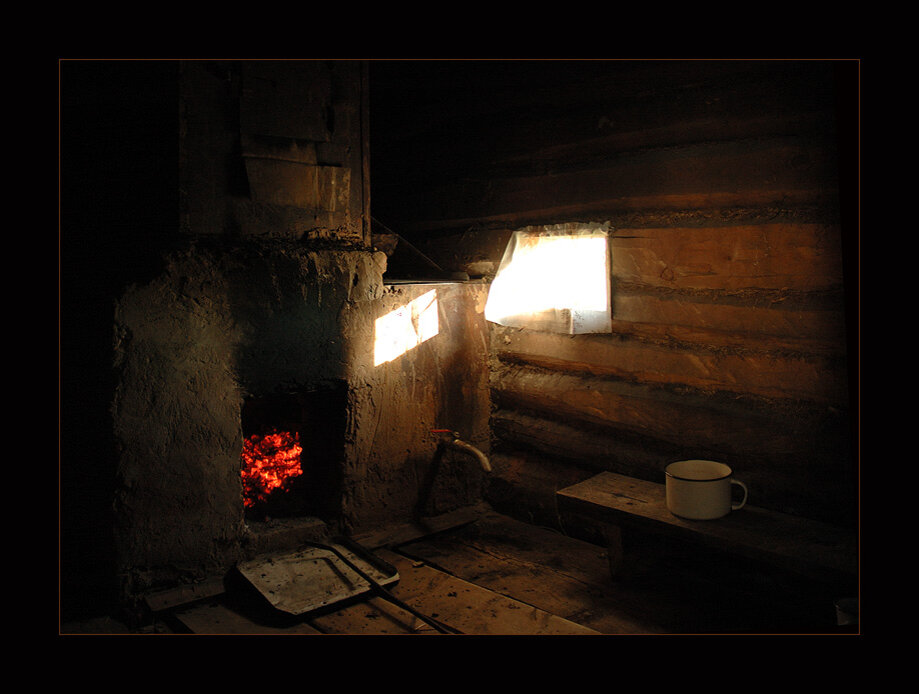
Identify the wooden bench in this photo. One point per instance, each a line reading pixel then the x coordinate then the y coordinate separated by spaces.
pixel 817 550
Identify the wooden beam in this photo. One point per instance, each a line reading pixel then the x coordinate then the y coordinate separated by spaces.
pixel 786 256
pixel 759 321
pixel 761 368
pixel 678 419
pixel 692 177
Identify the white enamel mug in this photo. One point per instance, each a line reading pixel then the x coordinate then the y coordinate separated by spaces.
pixel 701 489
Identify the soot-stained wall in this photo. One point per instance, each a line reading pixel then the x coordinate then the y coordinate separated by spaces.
pixel 441 383
pixel 217 327
pixel 216 246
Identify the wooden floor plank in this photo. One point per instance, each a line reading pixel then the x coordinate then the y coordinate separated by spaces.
pixel 469 608
pixel 216 618
pixel 372 617
pixel 500 576
pixel 667 589
pixel 558 574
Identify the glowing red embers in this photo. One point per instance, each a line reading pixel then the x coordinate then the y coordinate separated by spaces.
pixel 269 463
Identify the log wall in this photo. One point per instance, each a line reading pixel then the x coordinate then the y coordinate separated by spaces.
pixel 730 189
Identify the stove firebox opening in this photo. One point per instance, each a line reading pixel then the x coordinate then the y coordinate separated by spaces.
pixel 270 461
pixel 292 451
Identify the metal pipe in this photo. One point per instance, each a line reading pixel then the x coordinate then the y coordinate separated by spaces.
pixel 471 450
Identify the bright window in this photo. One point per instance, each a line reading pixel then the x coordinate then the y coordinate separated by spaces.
pixel 554 279
pixel 405 328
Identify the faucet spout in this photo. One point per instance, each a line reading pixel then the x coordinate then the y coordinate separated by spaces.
pixel 459 445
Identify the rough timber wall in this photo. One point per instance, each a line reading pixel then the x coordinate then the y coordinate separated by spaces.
pixel 728 188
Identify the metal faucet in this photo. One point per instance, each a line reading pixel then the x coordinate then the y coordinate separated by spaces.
pixel 454 442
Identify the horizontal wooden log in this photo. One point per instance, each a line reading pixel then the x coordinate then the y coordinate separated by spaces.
pixel 819 483
pixel 588 448
pixel 478 252
pixel 691 423
pixel 524 485
pixel 565 143
pixel 767 368
pixel 690 338
pixel 601 110
pixel 559 142
pixel 747 174
pixel 765 204
pixel 702 313
pixel 802 257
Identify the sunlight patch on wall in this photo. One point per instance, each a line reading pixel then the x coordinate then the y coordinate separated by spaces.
pixel 405 328
pixel 555 279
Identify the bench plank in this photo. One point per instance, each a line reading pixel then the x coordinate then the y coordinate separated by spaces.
pixel 793 543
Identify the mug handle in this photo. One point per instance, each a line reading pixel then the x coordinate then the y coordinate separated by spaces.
pixel 739 505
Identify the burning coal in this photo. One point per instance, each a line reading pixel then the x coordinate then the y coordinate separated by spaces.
pixel 269 463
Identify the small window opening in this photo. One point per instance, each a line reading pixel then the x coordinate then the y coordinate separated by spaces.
pixel 405 328
pixel 555 279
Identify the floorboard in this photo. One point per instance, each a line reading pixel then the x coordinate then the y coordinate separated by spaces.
pixel 470 608
pixel 499 576
pixel 547 570
pixel 667 588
